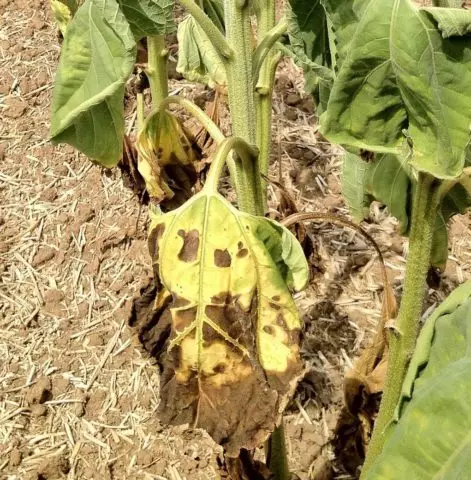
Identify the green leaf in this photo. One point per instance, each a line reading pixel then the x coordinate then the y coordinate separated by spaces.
pixel 388 181
pixel 231 356
pixel 63 11
pixel 451 21
pixel 400 73
pixel 384 179
pixel 431 437
pixel 148 17
pixel 215 11
pixel 309 47
pixel 96 60
pixel 198 60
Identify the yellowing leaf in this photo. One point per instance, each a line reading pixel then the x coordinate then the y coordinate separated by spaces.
pixel 163 143
pixel 225 329
pixel 63 11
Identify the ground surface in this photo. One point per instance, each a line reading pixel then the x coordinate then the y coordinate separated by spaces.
pixel 76 399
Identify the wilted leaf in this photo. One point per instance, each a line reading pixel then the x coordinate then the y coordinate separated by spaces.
pixel 431 437
pixel 63 11
pixel 198 60
pixel 228 336
pixel 166 157
pixel 400 73
pixel 148 17
pixel 97 58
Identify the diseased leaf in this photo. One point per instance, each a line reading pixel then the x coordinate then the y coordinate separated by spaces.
pixel 63 11
pixel 166 158
pixel 430 438
pixel 227 338
pixel 97 58
pixel 400 73
pixel 148 17
pixel 198 60
pixel 451 21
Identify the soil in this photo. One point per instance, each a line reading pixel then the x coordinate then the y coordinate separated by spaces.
pixel 77 400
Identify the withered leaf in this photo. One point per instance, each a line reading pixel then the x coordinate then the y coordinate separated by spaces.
pixel 167 158
pixel 230 353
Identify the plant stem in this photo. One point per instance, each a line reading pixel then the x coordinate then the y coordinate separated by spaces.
pixel 241 101
pixel 157 69
pixel 276 458
pixel 403 335
pixel 265 78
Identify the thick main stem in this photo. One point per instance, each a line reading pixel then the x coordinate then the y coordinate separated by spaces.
pixel 241 101
pixel 403 336
pixel 157 69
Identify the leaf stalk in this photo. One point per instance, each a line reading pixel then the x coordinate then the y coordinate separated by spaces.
pixel 157 69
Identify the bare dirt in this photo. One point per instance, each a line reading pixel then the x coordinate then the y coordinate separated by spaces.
pixel 77 400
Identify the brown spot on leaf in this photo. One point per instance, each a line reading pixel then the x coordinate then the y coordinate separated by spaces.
pixel 153 240
pixel 183 318
pixel 276 298
pixel 222 258
pixel 221 298
pixel 232 320
pixel 269 329
pixel 220 368
pixel 274 306
pixel 191 243
pixel 243 252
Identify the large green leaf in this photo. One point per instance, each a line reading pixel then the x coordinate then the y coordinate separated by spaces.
pixel 431 437
pixel 96 60
pixel 230 356
pixel 148 17
pixel 387 179
pixel 400 73
pixel 198 60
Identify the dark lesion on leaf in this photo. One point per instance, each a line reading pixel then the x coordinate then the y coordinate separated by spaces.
pixel 153 240
pixel 222 258
pixel 191 242
pixel 183 318
pixel 242 250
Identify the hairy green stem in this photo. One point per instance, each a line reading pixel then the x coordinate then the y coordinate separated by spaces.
pixel 266 58
pixel 276 456
pixel 403 335
pixel 157 69
pixel 244 150
pixel 215 36
pixel 241 101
